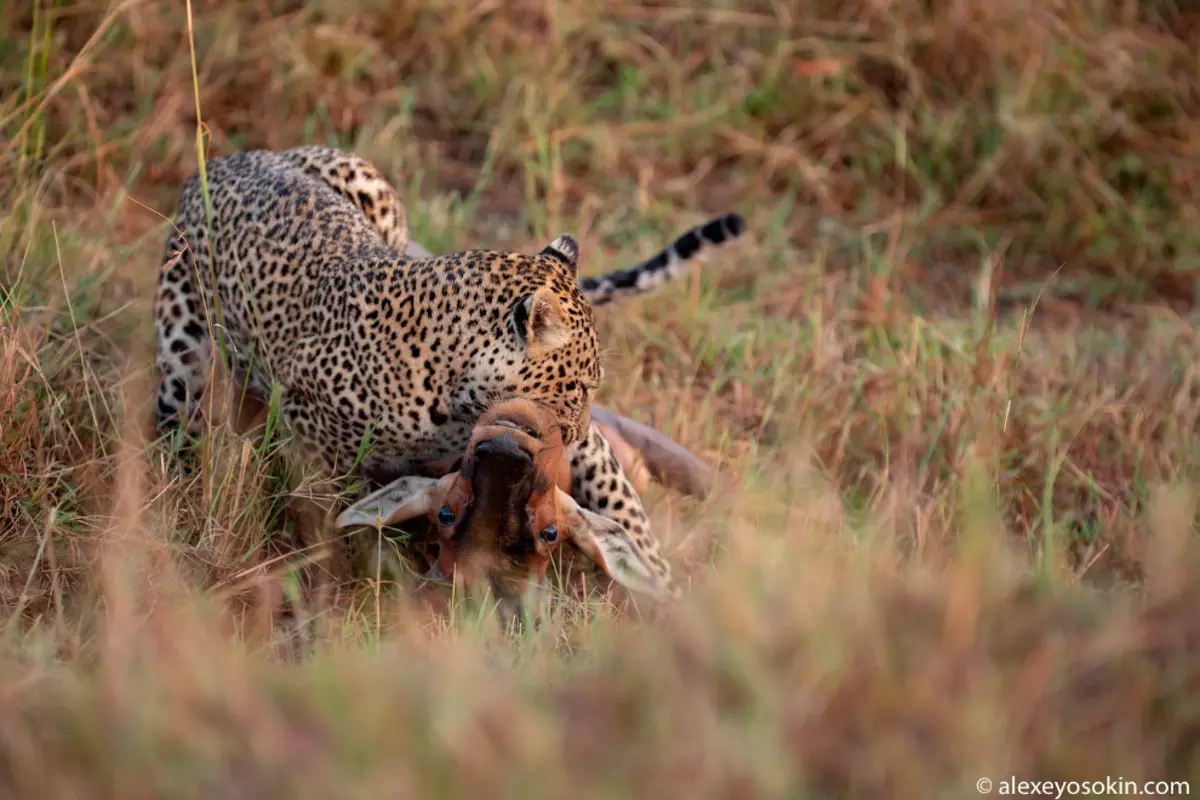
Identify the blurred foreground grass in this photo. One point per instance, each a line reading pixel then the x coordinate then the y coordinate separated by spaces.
pixel 950 379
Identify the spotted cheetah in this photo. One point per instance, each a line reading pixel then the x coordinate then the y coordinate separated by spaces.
pixel 385 362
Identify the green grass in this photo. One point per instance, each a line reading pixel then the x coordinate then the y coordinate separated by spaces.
pixel 949 378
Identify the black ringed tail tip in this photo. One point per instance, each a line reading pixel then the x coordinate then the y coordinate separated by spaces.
pixel 663 265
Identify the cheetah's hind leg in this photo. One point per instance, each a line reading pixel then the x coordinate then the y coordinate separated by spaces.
pixel 195 391
pixel 184 348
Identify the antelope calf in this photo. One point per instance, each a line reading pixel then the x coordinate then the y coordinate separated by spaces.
pixel 504 508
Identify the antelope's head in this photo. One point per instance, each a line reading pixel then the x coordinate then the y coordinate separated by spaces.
pixel 501 515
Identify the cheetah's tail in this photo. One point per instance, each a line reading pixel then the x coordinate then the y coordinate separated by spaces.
pixel 664 265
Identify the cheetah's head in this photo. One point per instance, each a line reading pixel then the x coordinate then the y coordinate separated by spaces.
pixel 556 360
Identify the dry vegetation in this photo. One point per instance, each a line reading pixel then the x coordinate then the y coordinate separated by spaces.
pixel 950 379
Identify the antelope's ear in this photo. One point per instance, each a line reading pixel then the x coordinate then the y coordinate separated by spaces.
pixel 605 542
pixel 401 500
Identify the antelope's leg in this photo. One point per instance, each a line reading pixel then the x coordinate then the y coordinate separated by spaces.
pixel 669 462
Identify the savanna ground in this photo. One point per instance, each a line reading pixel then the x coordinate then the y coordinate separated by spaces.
pixel 949 378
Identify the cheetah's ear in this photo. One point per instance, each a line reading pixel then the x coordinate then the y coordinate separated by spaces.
pixel 540 321
pixel 566 250
pixel 610 546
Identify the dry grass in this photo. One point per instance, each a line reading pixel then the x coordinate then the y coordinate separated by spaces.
pixel 950 379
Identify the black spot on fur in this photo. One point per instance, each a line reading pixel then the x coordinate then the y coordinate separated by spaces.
pixel 627 279
pixel 660 261
pixel 714 231
pixel 736 223
pixel 687 245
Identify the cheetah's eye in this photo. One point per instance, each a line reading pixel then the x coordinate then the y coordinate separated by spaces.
pixel 549 534
pixel 446 516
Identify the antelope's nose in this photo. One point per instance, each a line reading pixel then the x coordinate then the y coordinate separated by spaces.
pixel 502 447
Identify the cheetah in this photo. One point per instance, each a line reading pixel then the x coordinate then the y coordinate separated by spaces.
pixel 385 362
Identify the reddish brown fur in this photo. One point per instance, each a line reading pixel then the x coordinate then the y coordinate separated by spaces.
pixel 500 517
pixel 550 462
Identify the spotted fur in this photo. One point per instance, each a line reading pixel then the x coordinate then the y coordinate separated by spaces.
pixel 305 280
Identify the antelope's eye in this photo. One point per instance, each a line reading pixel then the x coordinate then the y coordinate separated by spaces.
pixel 446 516
pixel 549 534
